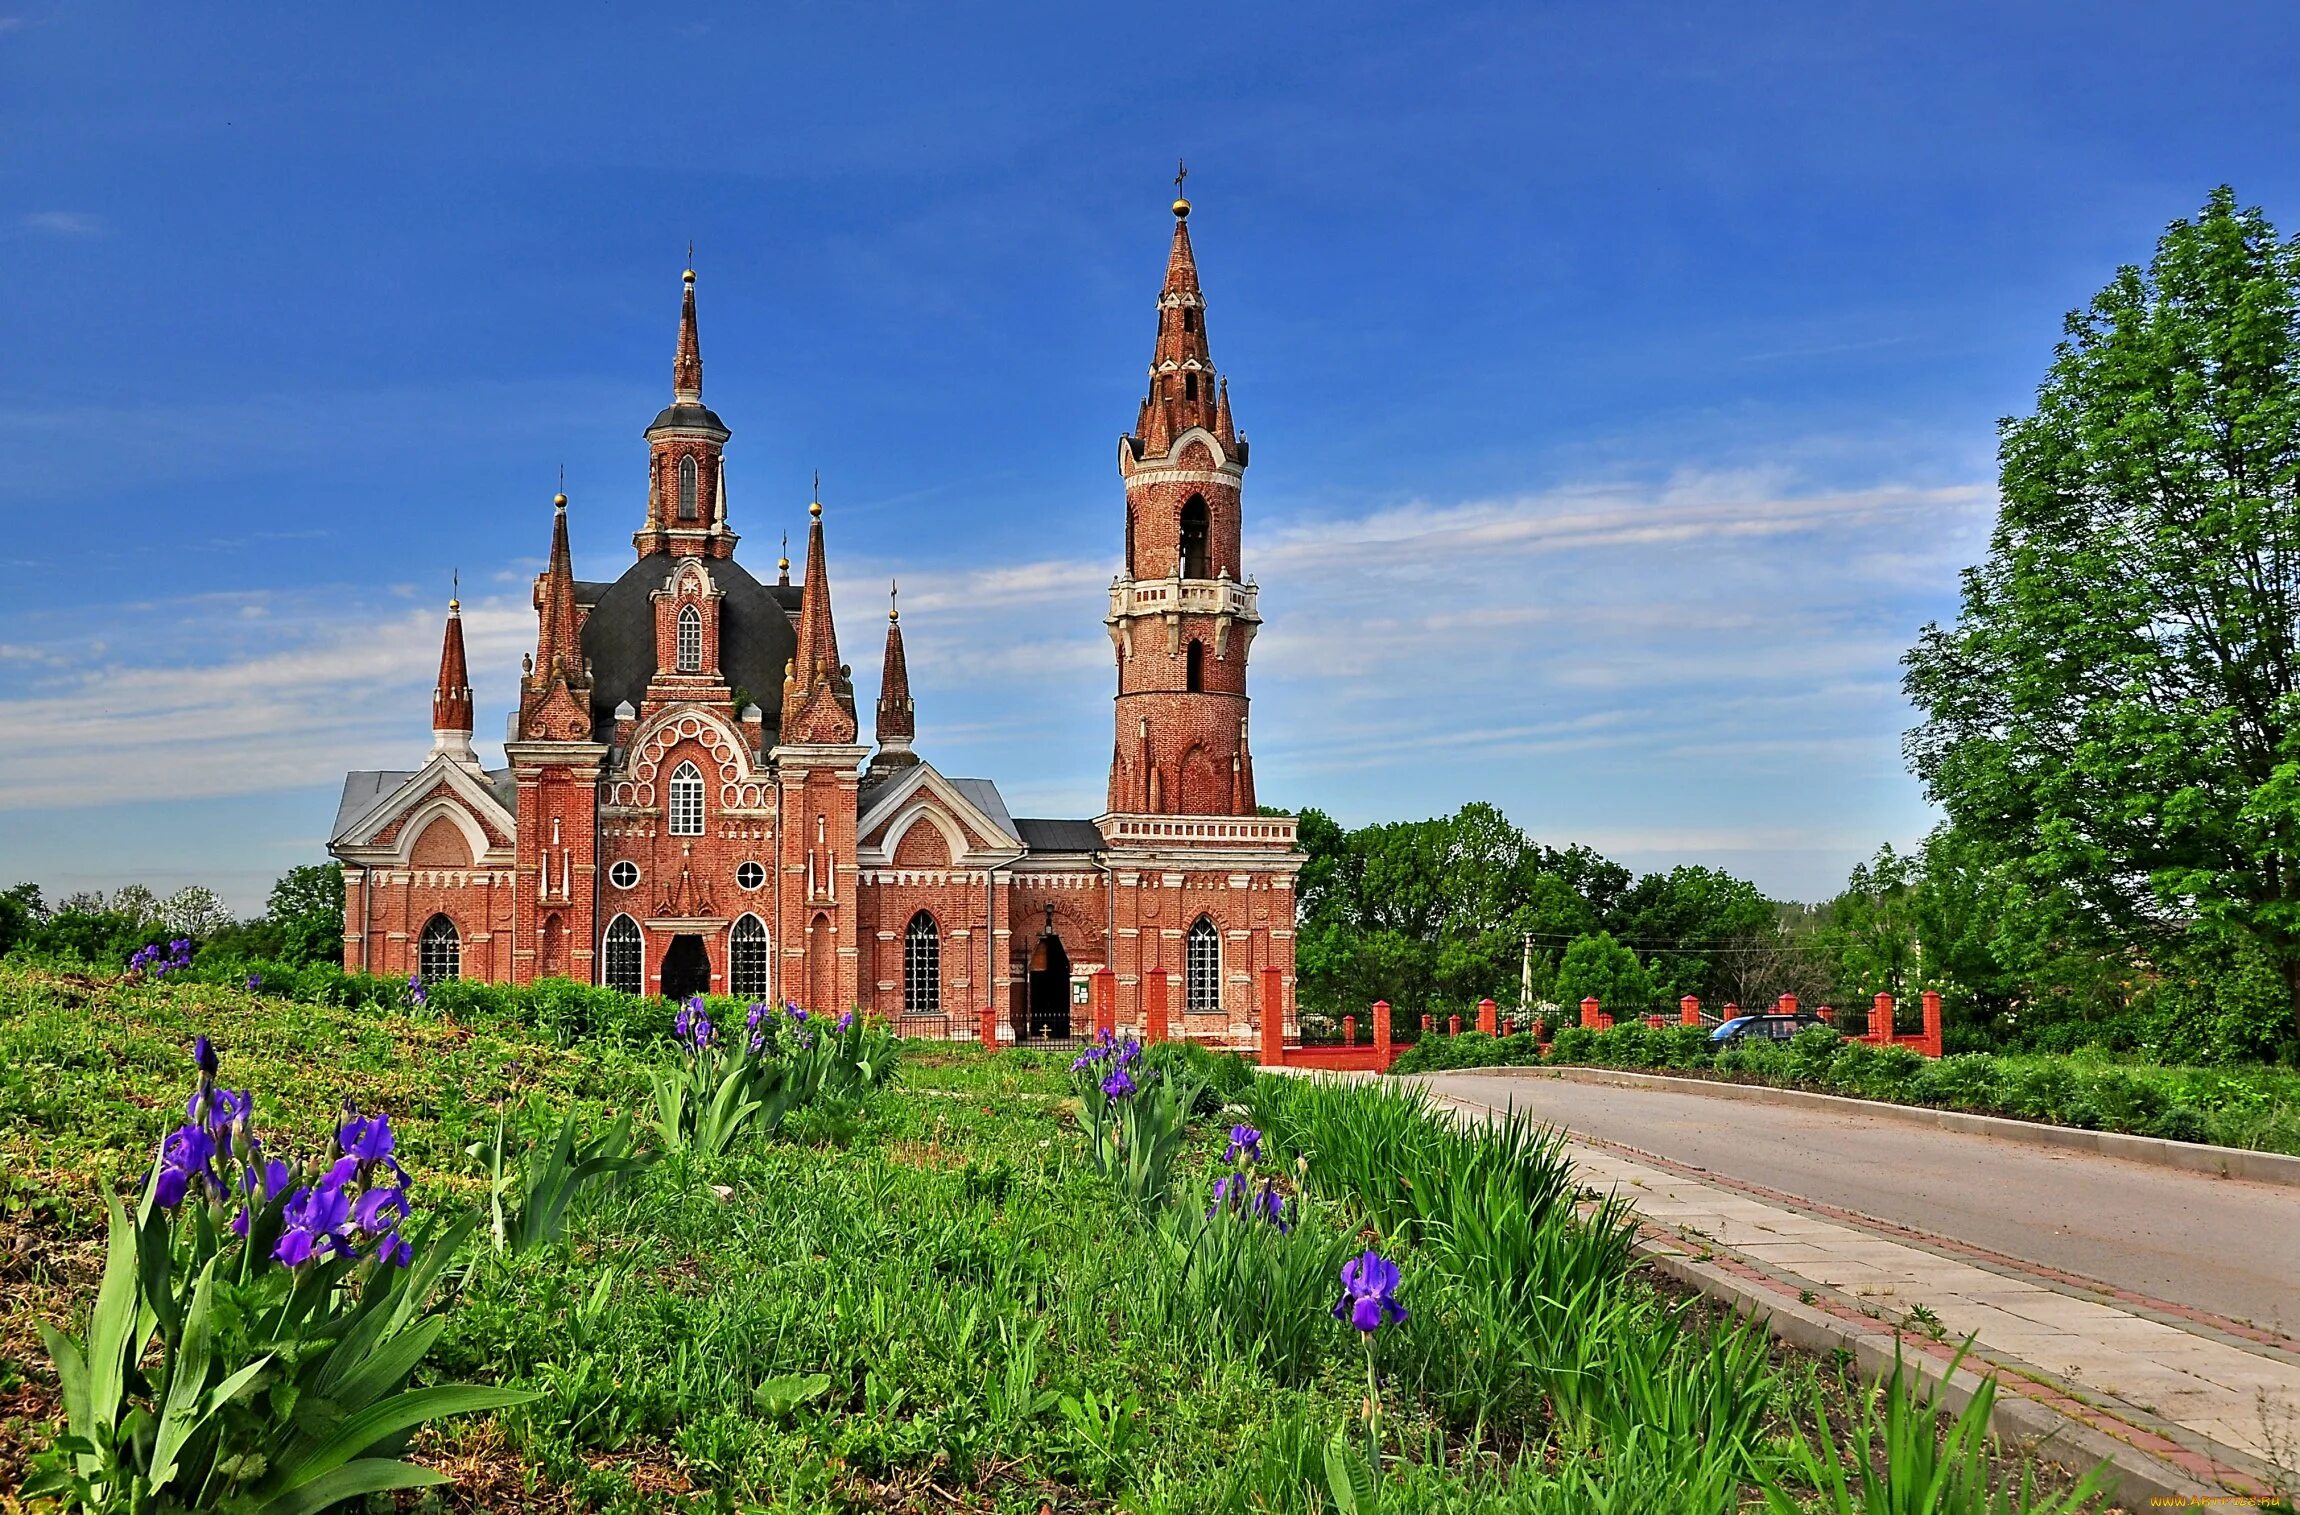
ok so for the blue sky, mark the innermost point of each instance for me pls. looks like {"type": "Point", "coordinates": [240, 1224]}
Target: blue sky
{"type": "Point", "coordinates": [1622, 379]}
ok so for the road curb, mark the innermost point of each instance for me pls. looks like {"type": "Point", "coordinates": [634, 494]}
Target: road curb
{"type": "Point", "coordinates": [2192, 1157]}
{"type": "Point", "coordinates": [2135, 1478]}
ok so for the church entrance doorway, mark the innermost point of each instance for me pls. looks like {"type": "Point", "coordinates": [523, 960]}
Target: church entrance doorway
{"type": "Point", "coordinates": [686, 968]}
{"type": "Point", "coordinates": [1049, 1016]}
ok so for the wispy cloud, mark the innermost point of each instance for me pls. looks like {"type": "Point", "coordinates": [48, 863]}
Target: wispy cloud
{"type": "Point", "coordinates": [1712, 648]}
{"type": "Point", "coordinates": [58, 223]}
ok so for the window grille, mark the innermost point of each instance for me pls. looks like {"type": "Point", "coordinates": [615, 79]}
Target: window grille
{"type": "Point", "coordinates": [690, 639]}
{"type": "Point", "coordinates": [747, 962]}
{"type": "Point", "coordinates": [921, 967]}
{"type": "Point", "coordinates": [439, 951]}
{"type": "Point", "coordinates": [687, 801]}
{"type": "Point", "coordinates": [626, 969]}
{"type": "Point", "coordinates": [1205, 968]}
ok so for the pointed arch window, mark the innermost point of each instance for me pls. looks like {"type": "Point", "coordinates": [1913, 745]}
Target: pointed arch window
{"type": "Point", "coordinates": [439, 950]}
{"type": "Point", "coordinates": [1189, 319]}
{"type": "Point", "coordinates": [687, 800]}
{"type": "Point", "coordinates": [921, 967]}
{"type": "Point", "coordinates": [1194, 547]}
{"type": "Point", "coordinates": [690, 639]}
{"type": "Point", "coordinates": [1205, 968]}
{"type": "Point", "coordinates": [1194, 673]}
{"type": "Point", "coordinates": [624, 956]}
{"type": "Point", "coordinates": [1189, 386]}
{"type": "Point", "coordinates": [687, 509]}
{"type": "Point", "coordinates": [747, 959]}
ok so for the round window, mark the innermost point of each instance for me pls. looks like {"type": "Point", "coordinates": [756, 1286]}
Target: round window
{"type": "Point", "coordinates": [750, 875]}
{"type": "Point", "coordinates": [623, 874]}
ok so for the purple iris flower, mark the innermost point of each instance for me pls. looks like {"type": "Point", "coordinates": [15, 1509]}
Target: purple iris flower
{"type": "Point", "coordinates": [184, 1156]}
{"type": "Point", "coordinates": [415, 994]}
{"type": "Point", "coordinates": [204, 1055]}
{"type": "Point", "coordinates": [1247, 1140]}
{"type": "Point", "coordinates": [1271, 1205]}
{"type": "Point", "coordinates": [255, 983]}
{"type": "Point", "coordinates": [798, 1015]}
{"type": "Point", "coordinates": [1117, 1085]}
{"type": "Point", "coordinates": [392, 1250]}
{"type": "Point", "coordinates": [1369, 1293]}
{"type": "Point", "coordinates": [368, 1140]}
{"type": "Point", "coordinates": [846, 1021]}
{"type": "Point", "coordinates": [379, 1210]}
{"type": "Point", "coordinates": [315, 1220]}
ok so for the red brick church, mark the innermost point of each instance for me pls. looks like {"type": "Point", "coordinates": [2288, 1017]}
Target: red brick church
{"type": "Point", "coordinates": [689, 805]}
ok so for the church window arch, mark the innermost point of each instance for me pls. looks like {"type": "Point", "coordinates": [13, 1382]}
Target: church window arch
{"type": "Point", "coordinates": [747, 959]}
{"type": "Point", "coordinates": [1195, 552]}
{"type": "Point", "coordinates": [1204, 970]}
{"type": "Point", "coordinates": [690, 639]}
{"type": "Point", "coordinates": [1189, 386]}
{"type": "Point", "coordinates": [439, 951]}
{"type": "Point", "coordinates": [624, 956]}
{"type": "Point", "coordinates": [1194, 671]}
{"type": "Point", "coordinates": [687, 489]}
{"type": "Point", "coordinates": [686, 800]}
{"type": "Point", "coordinates": [921, 966]}
{"type": "Point", "coordinates": [1189, 319]}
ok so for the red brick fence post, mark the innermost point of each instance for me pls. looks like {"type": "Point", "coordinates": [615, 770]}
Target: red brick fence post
{"type": "Point", "coordinates": [1382, 1032]}
{"type": "Point", "coordinates": [1273, 1018]}
{"type": "Point", "coordinates": [1689, 1010]}
{"type": "Point", "coordinates": [1488, 1016]}
{"type": "Point", "coordinates": [1154, 1005]}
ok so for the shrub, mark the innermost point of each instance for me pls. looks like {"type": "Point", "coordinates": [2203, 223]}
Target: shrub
{"type": "Point", "coordinates": [2182, 1123]}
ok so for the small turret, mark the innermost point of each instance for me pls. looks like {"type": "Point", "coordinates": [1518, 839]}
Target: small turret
{"type": "Point", "coordinates": [897, 715]}
{"type": "Point", "coordinates": [451, 696]}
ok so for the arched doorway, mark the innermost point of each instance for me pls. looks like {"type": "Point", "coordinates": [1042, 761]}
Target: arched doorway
{"type": "Point", "coordinates": [686, 968]}
{"type": "Point", "coordinates": [1049, 970]}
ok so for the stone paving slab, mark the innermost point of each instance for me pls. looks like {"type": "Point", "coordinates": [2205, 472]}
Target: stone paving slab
{"type": "Point", "coordinates": [2234, 1395]}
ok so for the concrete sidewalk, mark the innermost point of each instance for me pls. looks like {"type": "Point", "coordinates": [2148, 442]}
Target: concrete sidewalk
{"type": "Point", "coordinates": [2182, 1403]}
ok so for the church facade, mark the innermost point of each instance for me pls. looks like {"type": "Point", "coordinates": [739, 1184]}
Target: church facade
{"type": "Point", "coordinates": [688, 805]}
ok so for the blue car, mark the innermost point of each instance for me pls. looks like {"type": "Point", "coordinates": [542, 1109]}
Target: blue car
{"type": "Point", "coordinates": [1769, 1028]}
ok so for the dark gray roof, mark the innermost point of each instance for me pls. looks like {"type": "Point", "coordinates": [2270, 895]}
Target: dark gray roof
{"type": "Point", "coordinates": [1060, 836]}
{"type": "Point", "coordinates": [689, 418]}
{"type": "Point", "coordinates": [755, 637]}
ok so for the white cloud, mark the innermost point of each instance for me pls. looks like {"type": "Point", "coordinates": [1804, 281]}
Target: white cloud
{"type": "Point", "coordinates": [59, 223]}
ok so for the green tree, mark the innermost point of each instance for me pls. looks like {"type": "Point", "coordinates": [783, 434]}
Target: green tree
{"type": "Point", "coordinates": [2116, 711]}
{"type": "Point", "coordinates": [1598, 967]}
{"type": "Point", "coordinates": [1692, 921]}
{"type": "Point", "coordinates": [21, 912]}
{"type": "Point", "coordinates": [306, 909]}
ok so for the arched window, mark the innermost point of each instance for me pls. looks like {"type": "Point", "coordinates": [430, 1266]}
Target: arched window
{"type": "Point", "coordinates": [687, 801]}
{"type": "Point", "coordinates": [687, 489]}
{"type": "Point", "coordinates": [1189, 319]}
{"type": "Point", "coordinates": [439, 950]}
{"type": "Point", "coordinates": [747, 960]}
{"type": "Point", "coordinates": [1205, 968]}
{"type": "Point", "coordinates": [625, 956]}
{"type": "Point", "coordinates": [1194, 678]}
{"type": "Point", "coordinates": [1194, 554]}
{"type": "Point", "coordinates": [690, 639]}
{"type": "Point", "coordinates": [921, 967]}
{"type": "Point", "coordinates": [1189, 386]}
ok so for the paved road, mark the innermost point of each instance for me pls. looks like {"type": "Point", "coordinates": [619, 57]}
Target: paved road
{"type": "Point", "coordinates": [2223, 1245]}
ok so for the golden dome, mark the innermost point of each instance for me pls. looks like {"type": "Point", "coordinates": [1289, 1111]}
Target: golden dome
{"type": "Point", "coordinates": [1181, 209]}
{"type": "Point", "coordinates": [559, 501]}
{"type": "Point", "coordinates": [816, 509]}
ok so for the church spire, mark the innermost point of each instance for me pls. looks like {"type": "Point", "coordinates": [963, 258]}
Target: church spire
{"type": "Point", "coordinates": [1183, 384]}
{"type": "Point", "coordinates": [818, 693]}
{"type": "Point", "coordinates": [687, 368]}
{"type": "Point", "coordinates": [451, 696]}
{"type": "Point", "coordinates": [897, 719]}
{"type": "Point", "coordinates": [548, 709]}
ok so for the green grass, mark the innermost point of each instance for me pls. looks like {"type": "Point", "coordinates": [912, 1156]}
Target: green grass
{"type": "Point", "coordinates": [938, 1304]}
{"type": "Point", "coordinates": [2255, 1107]}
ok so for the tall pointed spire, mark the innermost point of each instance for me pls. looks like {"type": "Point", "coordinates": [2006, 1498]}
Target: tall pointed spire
{"type": "Point", "coordinates": [687, 368]}
{"type": "Point", "coordinates": [818, 693]}
{"type": "Point", "coordinates": [451, 696]}
{"type": "Point", "coordinates": [548, 709]}
{"type": "Point", "coordinates": [897, 719]}
{"type": "Point", "coordinates": [1183, 383]}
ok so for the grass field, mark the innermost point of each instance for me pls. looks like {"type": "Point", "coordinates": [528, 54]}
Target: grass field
{"type": "Point", "coordinates": [937, 1301]}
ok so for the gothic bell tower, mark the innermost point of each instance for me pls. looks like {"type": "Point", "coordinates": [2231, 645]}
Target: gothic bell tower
{"type": "Point", "coordinates": [1182, 613]}
{"type": "Point", "coordinates": [686, 477]}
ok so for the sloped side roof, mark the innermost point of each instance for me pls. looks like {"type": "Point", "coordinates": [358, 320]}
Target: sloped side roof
{"type": "Point", "coordinates": [1060, 836]}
